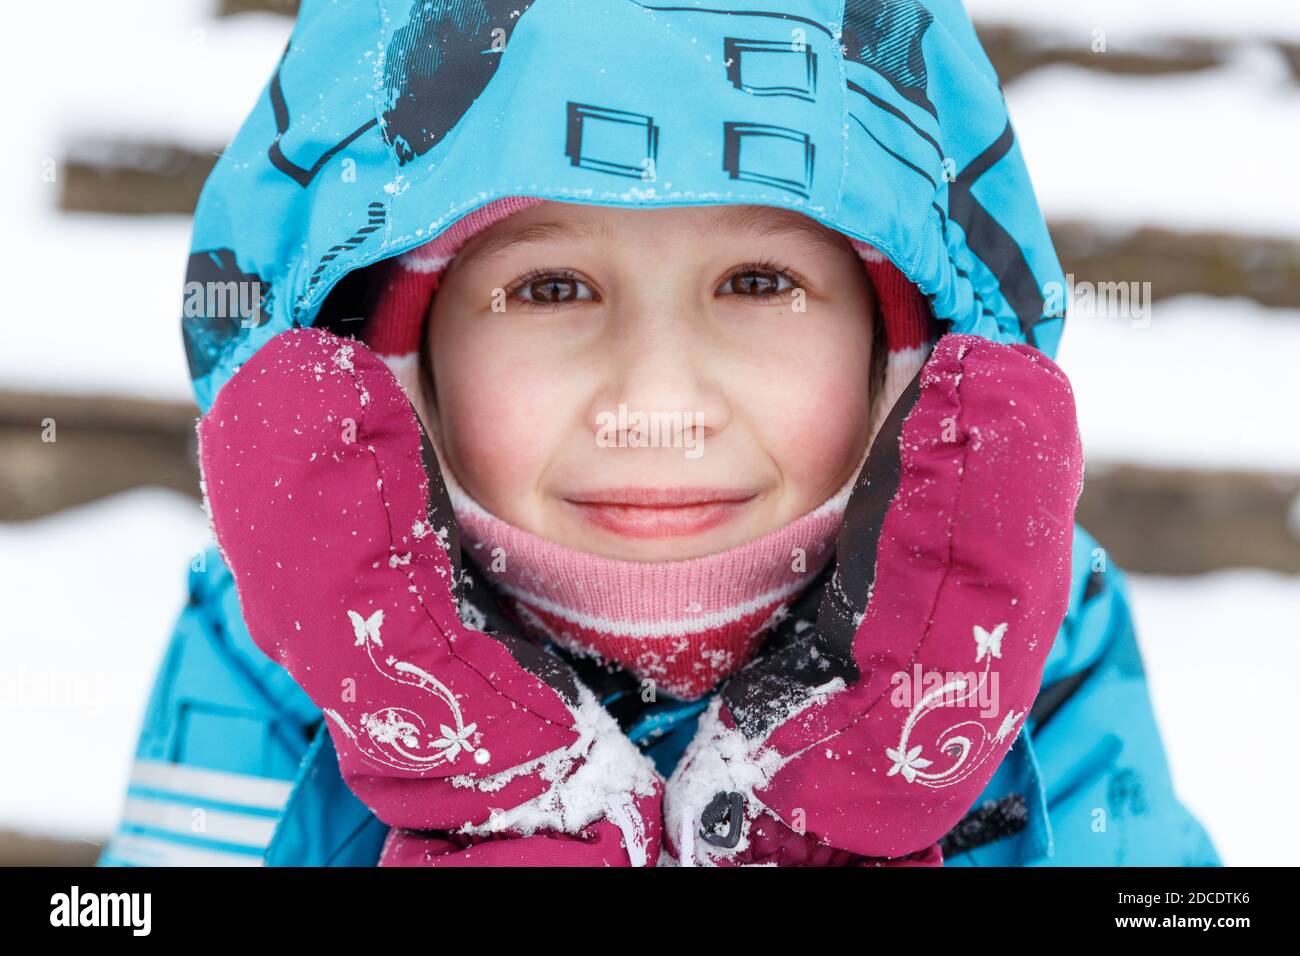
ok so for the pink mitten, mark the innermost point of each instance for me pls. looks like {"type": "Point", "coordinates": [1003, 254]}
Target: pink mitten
{"type": "Point", "coordinates": [328, 506]}
{"type": "Point", "coordinates": [866, 735]}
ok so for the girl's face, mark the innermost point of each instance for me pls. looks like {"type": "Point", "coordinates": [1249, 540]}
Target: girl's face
{"type": "Point", "coordinates": [652, 384]}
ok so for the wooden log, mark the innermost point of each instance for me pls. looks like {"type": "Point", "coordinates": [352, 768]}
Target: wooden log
{"type": "Point", "coordinates": [133, 178]}
{"type": "Point", "coordinates": [230, 8]}
{"type": "Point", "coordinates": [101, 445]}
{"type": "Point", "coordinates": [1292, 53]}
{"type": "Point", "coordinates": [1189, 521]}
{"type": "Point", "coordinates": [21, 849]}
{"type": "Point", "coordinates": [1015, 51]}
{"type": "Point", "coordinates": [1261, 268]}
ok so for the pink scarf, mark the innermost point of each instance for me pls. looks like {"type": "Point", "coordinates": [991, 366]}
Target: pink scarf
{"type": "Point", "coordinates": [685, 625]}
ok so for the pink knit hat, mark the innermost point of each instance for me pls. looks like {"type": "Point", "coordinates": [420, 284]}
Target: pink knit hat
{"type": "Point", "coordinates": [396, 326]}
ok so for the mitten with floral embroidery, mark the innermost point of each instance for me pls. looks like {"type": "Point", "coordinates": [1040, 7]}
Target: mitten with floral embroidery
{"type": "Point", "coordinates": [864, 737]}
{"type": "Point", "coordinates": [329, 508]}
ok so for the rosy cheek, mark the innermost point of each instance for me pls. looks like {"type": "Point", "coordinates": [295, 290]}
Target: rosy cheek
{"type": "Point", "coordinates": [830, 440]}
{"type": "Point", "coordinates": [497, 441]}
{"type": "Point", "coordinates": [816, 424]}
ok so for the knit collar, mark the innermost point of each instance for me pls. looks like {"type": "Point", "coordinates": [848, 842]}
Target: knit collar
{"type": "Point", "coordinates": [684, 625]}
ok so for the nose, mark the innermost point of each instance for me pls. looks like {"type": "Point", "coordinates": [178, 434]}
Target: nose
{"type": "Point", "coordinates": [659, 363]}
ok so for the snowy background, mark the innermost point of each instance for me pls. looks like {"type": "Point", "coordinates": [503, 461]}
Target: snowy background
{"type": "Point", "coordinates": [92, 591]}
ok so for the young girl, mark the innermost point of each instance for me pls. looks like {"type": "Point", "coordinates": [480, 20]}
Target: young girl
{"type": "Point", "coordinates": [700, 488]}
{"type": "Point", "coordinates": [666, 571]}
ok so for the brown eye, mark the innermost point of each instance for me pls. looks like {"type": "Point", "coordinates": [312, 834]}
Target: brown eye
{"type": "Point", "coordinates": [757, 283]}
{"type": "Point", "coordinates": [552, 288]}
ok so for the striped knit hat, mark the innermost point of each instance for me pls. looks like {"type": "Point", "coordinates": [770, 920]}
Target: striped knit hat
{"type": "Point", "coordinates": [684, 624]}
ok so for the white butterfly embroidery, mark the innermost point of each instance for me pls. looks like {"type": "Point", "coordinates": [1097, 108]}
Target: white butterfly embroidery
{"type": "Point", "coordinates": [988, 642]}
{"type": "Point", "coordinates": [1008, 722]}
{"type": "Point", "coordinates": [367, 628]}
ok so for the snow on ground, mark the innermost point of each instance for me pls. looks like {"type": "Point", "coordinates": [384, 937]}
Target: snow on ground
{"type": "Point", "coordinates": [1196, 150]}
{"type": "Point", "coordinates": [98, 307]}
{"type": "Point", "coordinates": [91, 597]}
{"type": "Point", "coordinates": [1220, 650]}
{"type": "Point", "coordinates": [1124, 20]}
{"type": "Point", "coordinates": [1205, 382]}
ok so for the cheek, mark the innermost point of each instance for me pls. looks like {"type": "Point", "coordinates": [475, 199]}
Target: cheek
{"type": "Point", "coordinates": [814, 413]}
{"type": "Point", "coordinates": [488, 397]}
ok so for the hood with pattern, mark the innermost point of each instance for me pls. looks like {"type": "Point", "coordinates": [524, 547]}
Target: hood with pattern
{"type": "Point", "coordinates": [385, 123]}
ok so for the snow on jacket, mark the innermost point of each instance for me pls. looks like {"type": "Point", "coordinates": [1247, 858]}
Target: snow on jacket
{"type": "Point", "coordinates": [882, 120]}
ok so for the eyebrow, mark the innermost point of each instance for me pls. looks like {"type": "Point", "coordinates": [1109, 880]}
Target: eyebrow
{"type": "Point", "coordinates": [757, 221]}
{"type": "Point", "coordinates": [764, 221]}
{"type": "Point", "coordinates": [543, 232]}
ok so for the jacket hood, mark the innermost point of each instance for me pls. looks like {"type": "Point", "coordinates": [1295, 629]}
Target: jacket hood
{"type": "Point", "coordinates": [383, 124]}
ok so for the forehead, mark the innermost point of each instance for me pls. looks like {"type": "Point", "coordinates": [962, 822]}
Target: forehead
{"type": "Point", "coordinates": [556, 222]}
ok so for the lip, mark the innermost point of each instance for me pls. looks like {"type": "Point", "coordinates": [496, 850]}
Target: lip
{"type": "Point", "coordinates": [660, 512]}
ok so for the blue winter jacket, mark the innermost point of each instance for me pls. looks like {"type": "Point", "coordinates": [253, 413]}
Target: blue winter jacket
{"type": "Point", "coordinates": [385, 121]}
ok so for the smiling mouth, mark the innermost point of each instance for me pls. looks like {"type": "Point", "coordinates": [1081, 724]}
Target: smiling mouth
{"type": "Point", "coordinates": [660, 512]}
